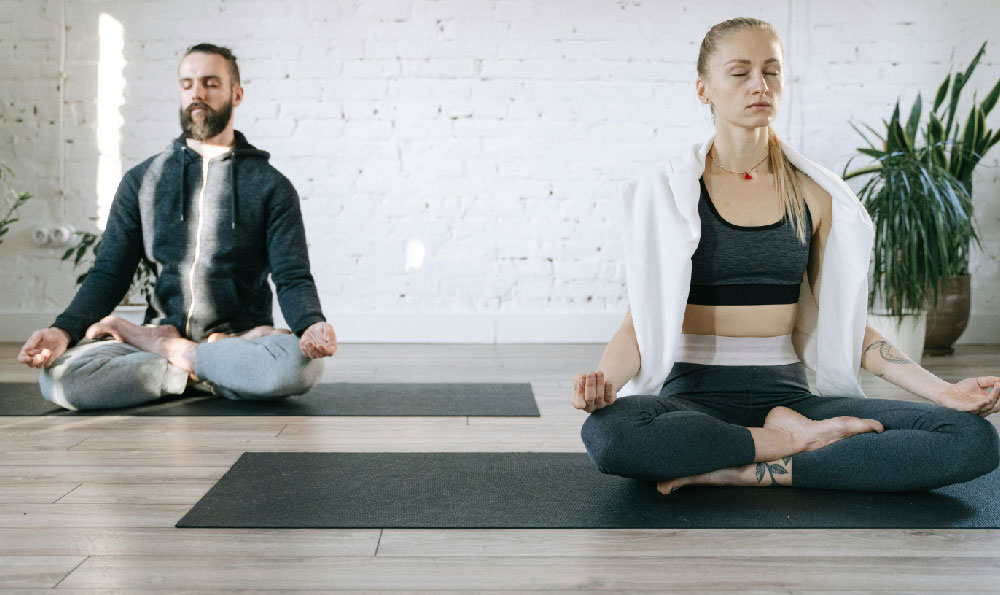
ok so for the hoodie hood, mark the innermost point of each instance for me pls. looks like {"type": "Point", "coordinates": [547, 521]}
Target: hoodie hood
{"type": "Point", "coordinates": [241, 149]}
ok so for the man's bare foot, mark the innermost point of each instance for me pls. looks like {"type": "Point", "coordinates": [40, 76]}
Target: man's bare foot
{"type": "Point", "coordinates": [164, 340]}
{"type": "Point", "coordinates": [262, 331]}
{"type": "Point", "coordinates": [815, 434]}
{"type": "Point", "coordinates": [250, 335]}
{"type": "Point", "coordinates": [133, 334]}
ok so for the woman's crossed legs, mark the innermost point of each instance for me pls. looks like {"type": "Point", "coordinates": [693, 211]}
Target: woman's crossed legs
{"type": "Point", "coordinates": [678, 441]}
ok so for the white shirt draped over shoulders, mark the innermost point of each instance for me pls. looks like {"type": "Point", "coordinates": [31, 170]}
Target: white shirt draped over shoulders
{"type": "Point", "coordinates": [662, 231]}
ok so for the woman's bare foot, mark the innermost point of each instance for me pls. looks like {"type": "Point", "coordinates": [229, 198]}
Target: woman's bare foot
{"type": "Point", "coordinates": [806, 434]}
{"type": "Point", "coordinates": [815, 434]}
{"type": "Point", "coordinates": [732, 476]}
{"type": "Point", "coordinates": [164, 340]}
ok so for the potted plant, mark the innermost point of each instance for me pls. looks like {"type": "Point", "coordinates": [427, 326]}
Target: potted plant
{"type": "Point", "coordinates": [959, 149]}
{"type": "Point", "coordinates": [918, 207]}
{"type": "Point", "coordinates": [133, 305]}
{"type": "Point", "coordinates": [15, 201]}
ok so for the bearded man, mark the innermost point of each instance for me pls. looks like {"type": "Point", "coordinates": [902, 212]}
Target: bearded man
{"type": "Point", "coordinates": [214, 219]}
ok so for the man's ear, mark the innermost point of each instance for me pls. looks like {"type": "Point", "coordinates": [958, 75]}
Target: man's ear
{"type": "Point", "coordinates": [237, 95]}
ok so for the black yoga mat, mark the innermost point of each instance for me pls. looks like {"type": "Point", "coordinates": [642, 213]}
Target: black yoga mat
{"type": "Point", "coordinates": [338, 398]}
{"type": "Point", "coordinates": [544, 490]}
{"type": "Point", "coordinates": [24, 398]}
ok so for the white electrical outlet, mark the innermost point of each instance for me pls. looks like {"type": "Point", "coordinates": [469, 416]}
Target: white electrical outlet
{"type": "Point", "coordinates": [40, 236]}
{"type": "Point", "coordinates": [59, 236]}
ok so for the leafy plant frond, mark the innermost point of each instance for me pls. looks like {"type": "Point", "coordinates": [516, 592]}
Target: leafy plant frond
{"type": "Point", "coordinates": [143, 280]}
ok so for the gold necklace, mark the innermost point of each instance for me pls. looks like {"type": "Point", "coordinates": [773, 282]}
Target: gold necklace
{"type": "Point", "coordinates": [746, 174]}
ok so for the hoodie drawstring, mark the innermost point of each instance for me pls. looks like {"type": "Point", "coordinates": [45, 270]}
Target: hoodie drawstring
{"type": "Point", "coordinates": [232, 188]}
{"type": "Point", "coordinates": [181, 199]}
{"type": "Point", "coordinates": [233, 193]}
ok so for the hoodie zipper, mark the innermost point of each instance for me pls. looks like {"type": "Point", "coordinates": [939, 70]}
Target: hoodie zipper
{"type": "Point", "coordinates": [197, 243]}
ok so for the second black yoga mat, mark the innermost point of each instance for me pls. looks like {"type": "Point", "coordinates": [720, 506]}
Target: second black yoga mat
{"type": "Point", "coordinates": [544, 490]}
{"type": "Point", "coordinates": [339, 398]}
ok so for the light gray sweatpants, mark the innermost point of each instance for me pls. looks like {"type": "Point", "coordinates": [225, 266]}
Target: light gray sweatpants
{"type": "Point", "coordinates": [108, 374]}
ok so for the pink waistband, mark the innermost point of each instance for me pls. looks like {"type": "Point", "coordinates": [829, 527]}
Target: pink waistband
{"type": "Point", "coordinates": [736, 351]}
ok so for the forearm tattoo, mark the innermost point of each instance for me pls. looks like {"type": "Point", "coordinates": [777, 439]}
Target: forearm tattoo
{"type": "Point", "coordinates": [885, 350]}
{"type": "Point", "coordinates": [771, 469]}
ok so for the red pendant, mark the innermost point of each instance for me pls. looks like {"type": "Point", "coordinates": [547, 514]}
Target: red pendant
{"type": "Point", "coordinates": [747, 176]}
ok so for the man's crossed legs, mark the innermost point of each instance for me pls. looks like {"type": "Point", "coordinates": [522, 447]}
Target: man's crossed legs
{"type": "Point", "coordinates": [143, 364]}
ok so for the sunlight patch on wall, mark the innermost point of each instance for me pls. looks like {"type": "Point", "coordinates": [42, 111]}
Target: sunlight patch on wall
{"type": "Point", "coordinates": [110, 98]}
{"type": "Point", "coordinates": [414, 252]}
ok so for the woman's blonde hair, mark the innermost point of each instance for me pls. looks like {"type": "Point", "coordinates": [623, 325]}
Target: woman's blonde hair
{"type": "Point", "coordinates": [785, 177]}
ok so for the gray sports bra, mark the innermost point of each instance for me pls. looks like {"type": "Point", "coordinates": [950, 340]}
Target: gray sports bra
{"type": "Point", "coordinates": [737, 265]}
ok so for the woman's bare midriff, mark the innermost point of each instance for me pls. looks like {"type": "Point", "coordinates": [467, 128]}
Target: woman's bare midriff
{"type": "Point", "coordinates": [739, 321]}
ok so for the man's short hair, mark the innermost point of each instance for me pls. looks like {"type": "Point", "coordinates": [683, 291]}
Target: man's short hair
{"type": "Point", "coordinates": [218, 50]}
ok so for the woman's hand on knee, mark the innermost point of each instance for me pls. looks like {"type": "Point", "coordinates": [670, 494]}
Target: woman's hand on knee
{"type": "Point", "coordinates": [975, 395]}
{"type": "Point", "coordinates": [592, 391]}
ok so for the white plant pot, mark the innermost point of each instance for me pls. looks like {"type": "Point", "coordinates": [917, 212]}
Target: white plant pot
{"type": "Point", "coordinates": [906, 335]}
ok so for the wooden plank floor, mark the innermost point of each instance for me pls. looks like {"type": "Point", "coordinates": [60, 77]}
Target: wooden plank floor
{"type": "Point", "coordinates": [89, 505]}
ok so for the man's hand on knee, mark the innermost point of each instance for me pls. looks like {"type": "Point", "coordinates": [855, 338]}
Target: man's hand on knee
{"type": "Point", "coordinates": [44, 347]}
{"type": "Point", "coordinates": [319, 340]}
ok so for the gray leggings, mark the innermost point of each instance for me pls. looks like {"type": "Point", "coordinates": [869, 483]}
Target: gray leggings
{"type": "Point", "coordinates": [109, 374]}
{"type": "Point", "coordinates": [699, 423]}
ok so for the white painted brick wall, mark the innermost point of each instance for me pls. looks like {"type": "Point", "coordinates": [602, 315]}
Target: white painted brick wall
{"type": "Point", "coordinates": [496, 132]}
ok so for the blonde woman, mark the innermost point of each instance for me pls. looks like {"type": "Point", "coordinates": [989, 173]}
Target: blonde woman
{"type": "Point", "coordinates": [747, 262]}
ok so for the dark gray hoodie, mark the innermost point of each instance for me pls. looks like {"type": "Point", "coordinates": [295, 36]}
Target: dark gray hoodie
{"type": "Point", "coordinates": [212, 231]}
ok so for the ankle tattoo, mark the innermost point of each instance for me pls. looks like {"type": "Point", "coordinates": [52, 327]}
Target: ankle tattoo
{"type": "Point", "coordinates": [771, 469]}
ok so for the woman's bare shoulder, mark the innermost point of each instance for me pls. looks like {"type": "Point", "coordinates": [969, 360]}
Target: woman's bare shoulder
{"type": "Point", "coordinates": [820, 201]}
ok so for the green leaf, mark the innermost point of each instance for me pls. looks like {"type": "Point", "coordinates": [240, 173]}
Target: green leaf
{"type": "Point", "coordinates": [995, 138]}
{"type": "Point", "coordinates": [991, 99]}
{"type": "Point", "coordinates": [873, 131]}
{"type": "Point", "coordinates": [862, 134]}
{"type": "Point", "coordinates": [980, 140]}
{"type": "Point", "coordinates": [968, 145]}
{"type": "Point", "coordinates": [956, 90]}
{"type": "Point", "coordinates": [914, 119]}
{"type": "Point", "coordinates": [935, 140]}
{"type": "Point", "coordinates": [862, 171]}
{"type": "Point", "coordinates": [897, 139]}
{"type": "Point", "coordinates": [942, 90]}
{"type": "Point", "coordinates": [975, 61]}
{"type": "Point", "coordinates": [871, 152]}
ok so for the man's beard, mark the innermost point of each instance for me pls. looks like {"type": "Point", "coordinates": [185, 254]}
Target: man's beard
{"type": "Point", "coordinates": [211, 125]}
